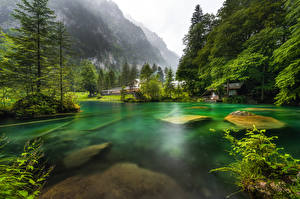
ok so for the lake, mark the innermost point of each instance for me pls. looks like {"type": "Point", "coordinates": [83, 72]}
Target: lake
{"type": "Point", "coordinates": [186, 154]}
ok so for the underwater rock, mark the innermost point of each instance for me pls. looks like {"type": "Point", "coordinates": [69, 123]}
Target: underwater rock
{"type": "Point", "coordinates": [261, 109]}
{"type": "Point", "coordinates": [80, 157]}
{"type": "Point", "coordinates": [245, 119]}
{"type": "Point", "coordinates": [121, 181]}
{"type": "Point", "coordinates": [186, 119]}
{"type": "Point", "coordinates": [198, 107]}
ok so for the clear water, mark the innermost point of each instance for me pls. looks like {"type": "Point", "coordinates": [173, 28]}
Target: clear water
{"type": "Point", "coordinates": [139, 136]}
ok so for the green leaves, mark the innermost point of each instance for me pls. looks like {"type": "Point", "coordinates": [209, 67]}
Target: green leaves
{"type": "Point", "coordinates": [23, 177]}
{"type": "Point", "coordinates": [258, 162]}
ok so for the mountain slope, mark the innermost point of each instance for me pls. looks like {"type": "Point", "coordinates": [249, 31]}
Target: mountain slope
{"type": "Point", "coordinates": [171, 58]}
{"type": "Point", "coordinates": [100, 31]}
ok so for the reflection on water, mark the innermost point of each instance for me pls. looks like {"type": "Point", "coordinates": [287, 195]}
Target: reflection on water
{"type": "Point", "coordinates": [185, 154]}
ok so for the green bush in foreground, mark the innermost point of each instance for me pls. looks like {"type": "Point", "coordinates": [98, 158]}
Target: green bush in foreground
{"type": "Point", "coordinates": [261, 169]}
{"type": "Point", "coordinates": [23, 177]}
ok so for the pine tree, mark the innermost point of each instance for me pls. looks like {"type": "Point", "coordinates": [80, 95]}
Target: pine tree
{"type": "Point", "coordinates": [100, 82]}
{"type": "Point", "coordinates": [64, 44]}
{"type": "Point", "coordinates": [34, 41]}
{"type": "Point", "coordinates": [133, 75]}
{"type": "Point", "coordinates": [160, 74]}
{"type": "Point", "coordinates": [125, 74]}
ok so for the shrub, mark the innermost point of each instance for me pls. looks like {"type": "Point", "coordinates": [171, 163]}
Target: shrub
{"type": "Point", "coordinates": [261, 169]}
{"type": "Point", "coordinates": [23, 177]}
{"type": "Point", "coordinates": [36, 105]}
{"type": "Point", "coordinates": [234, 100]}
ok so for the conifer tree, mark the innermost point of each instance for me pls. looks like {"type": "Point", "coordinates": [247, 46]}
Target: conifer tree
{"type": "Point", "coordinates": [34, 41]}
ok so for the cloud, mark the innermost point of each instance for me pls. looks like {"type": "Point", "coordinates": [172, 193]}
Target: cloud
{"type": "Point", "coordinates": [170, 19]}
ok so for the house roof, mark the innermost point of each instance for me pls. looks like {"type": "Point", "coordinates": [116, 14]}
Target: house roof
{"type": "Point", "coordinates": [234, 86]}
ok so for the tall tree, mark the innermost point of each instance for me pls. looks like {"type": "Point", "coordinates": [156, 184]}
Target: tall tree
{"type": "Point", "coordinates": [287, 58]}
{"type": "Point", "coordinates": [125, 73]}
{"type": "Point", "coordinates": [160, 74]}
{"type": "Point", "coordinates": [89, 77]}
{"type": "Point", "coordinates": [133, 75]}
{"type": "Point", "coordinates": [146, 72]}
{"type": "Point", "coordinates": [64, 43]}
{"type": "Point", "coordinates": [33, 41]}
{"type": "Point", "coordinates": [100, 80]}
{"type": "Point", "coordinates": [168, 86]}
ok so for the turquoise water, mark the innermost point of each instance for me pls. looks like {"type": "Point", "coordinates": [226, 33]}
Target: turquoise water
{"type": "Point", "coordinates": [185, 153]}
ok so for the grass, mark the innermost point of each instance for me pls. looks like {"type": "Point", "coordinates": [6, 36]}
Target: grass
{"type": "Point", "coordinates": [83, 96]}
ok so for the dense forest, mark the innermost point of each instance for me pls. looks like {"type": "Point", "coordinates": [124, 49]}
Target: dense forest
{"type": "Point", "coordinates": [251, 42]}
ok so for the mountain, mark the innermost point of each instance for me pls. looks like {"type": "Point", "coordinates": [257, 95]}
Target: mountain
{"type": "Point", "coordinates": [100, 32]}
{"type": "Point", "coordinates": [171, 58]}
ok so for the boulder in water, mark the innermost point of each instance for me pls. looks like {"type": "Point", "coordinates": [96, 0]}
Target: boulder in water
{"type": "Point", "coordinates": [247, 120]}
{"type": "Point", "coordinates": [121, 181]}
{"type": "Point", "coordinates": [186, 119]}
{"type": "Point", "coordinates": [199, 107]}
{"type": "Point", "coordinates": [80, 157]}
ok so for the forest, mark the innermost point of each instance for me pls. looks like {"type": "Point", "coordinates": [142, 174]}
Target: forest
{"type": "Point", "coordinates": [253, 42]}
{"type": "Point", "coordinates": [142, 129]}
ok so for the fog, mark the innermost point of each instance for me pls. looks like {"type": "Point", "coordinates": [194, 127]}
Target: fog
{"type": "Point", "coordinates": [170, 19]}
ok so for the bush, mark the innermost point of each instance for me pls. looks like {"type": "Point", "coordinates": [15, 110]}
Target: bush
{"type": "Point", "coordinates": [234, 100]}
{"type": "Point", "coordinates": [37, 105]}
{"type": "Point", "coordinates": [23, 177]}
{"type": "Point", "coordinates": [260, 169]}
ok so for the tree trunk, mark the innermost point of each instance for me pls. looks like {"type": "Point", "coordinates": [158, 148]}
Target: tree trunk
{"type": "Point", "coordinates": [263, 84]}
{"type": "Point", "coordinates": [227, 88]}
{"type": "Point", "coordinates": [38, 85]}
{"type": "Point", "coordinates": [61, 73]}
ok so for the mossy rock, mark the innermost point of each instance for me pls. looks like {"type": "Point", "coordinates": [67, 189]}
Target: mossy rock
{"type": "Point", "coordinates": [186, 119]}
{"type": "Point", "coordinates": [261, 109]}
{"type": "Point", "coordinates": [82, 156]}
{"type": "Point", "coordinates": [121, 181]}
{"type": "Point", "coordinates": [247, 120]}
{"type": "Point", "coordinates": [38, 104]}
{"type": "Point", "coordinates": [199, 107]}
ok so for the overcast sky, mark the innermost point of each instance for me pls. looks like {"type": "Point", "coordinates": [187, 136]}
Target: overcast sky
{"type": "Point", "coordinates": [170, 19]}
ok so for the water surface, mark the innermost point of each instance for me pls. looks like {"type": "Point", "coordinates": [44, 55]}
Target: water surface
{"type": "Point", "coordinates": [139, 136]}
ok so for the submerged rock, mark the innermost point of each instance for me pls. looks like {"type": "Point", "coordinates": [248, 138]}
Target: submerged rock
{"type": "Point", "coordinates": [198, 107]}
{"type": "Point", "coordinates": [121, 181]}
{"type": "Point", "coordinates": [80, 157]}
{"type": "Point", "coordinates": [186, 119]}
{"type": "Point", "coordinates": [261, 109]}
{"type": "Point", "coordinates": [245, 119]}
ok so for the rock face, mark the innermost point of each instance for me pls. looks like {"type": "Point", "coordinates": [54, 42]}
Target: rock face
{"type": "Point", "coordinates": [245, 119]}
{"type": "Point", "coordinates": [121, 181]}
{"type": "Point", "coordinates": [186, 119]}
{"type": "Point", "coordinates": [80, 157]}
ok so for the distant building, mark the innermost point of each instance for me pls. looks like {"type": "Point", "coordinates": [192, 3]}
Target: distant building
{"type": "Point", "coordinates": [233, 88]}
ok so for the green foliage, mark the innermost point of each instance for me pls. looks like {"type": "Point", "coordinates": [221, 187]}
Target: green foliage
{"type": "Point", "coordinates": [151, 89]}
{"type": "Point", "coordinates": [89, 77]}
{"type": "Point", "coordinates": [260, 168]}
{"type": "Point", "coordinates": [146, 72]}
{"type": "Point", "coordinates": [168, 86]}
{"type": "Point", "coordinates": [37, 105]}
{"type": "Point", "coordinates": [23, 177]}
{"type": "Point", "coordinates": [234, 100]}
{"type": "Point", "coordinates": [254, 42]}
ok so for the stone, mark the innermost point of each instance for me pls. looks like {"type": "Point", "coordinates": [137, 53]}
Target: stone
{"type": "Point", "coordinates": [198, 107]}
{"type": "Point", "coordinates": [121, 181]}
{"type": "Point", "coordinates": [186, 119]}
{"type": "Point", "coordinates": [260, 109]}
{"type": "Point", "coordinates": [82, 156]}
{"type": "Point", "coordinates": [247, 120]}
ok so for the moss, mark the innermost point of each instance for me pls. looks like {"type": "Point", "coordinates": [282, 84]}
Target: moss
{"type": "Point", "coordinates": [37, 105]}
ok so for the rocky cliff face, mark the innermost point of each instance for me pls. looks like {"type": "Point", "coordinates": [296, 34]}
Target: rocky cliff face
{"type": "Point", "coordinates": [102, 33]}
